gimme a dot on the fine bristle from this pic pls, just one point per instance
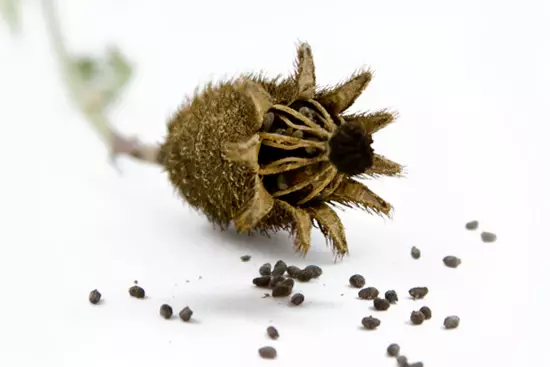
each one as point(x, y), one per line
point(350, 149)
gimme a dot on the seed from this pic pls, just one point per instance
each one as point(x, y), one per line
point(272, 332)
point(391, 296)
point(357, 281)
point(307, 112)
point(265, 269)
point(452, 261)
point(451, 322)
point(281, 182)
point(315, 270)
point(488, 237)
point(275, 280)
point(416, 364)
point(245, 258)
point(280, 131)
point(417, 317)
point(297, 299)
point(473, 225)
point(418, 292)
point(304, 275)
point(268, 120)
point(137, 292)
point(381, 304)
point(267, 352)
point(185, 314)
point(281, 291)
point(289, 282)
point(426, 311)
point(402, 361)
point(279, 269)
point(94, 297)
point(166, 311)
point(293, 271)
point(415, 252)
point(369, 293)
point(298, 134)
point(370, 323)
point(262, 281)
point(393, 350)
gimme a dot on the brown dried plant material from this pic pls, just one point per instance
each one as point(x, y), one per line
point(265, 269)
point(417, 317)
point(166, 311)
point(370, 323)
point(267, 352)
point(272, 332)
point(137, 292)
point(185, 314)
point(357, 281)
point(270, 154)
point(369, 293)
point(381, 304)
point(297, 299)
point(94, 297)
point(418, 292)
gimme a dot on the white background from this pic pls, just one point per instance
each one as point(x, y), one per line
point(470, 80)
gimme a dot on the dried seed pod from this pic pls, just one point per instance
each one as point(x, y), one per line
point(472, 225)
point(279, 269)
point(488, 237)
point(381, 304)
point(245, 258)
point(222, 157)
point(185, 314)
point(136, 291)
point(391, 296)
point(418, 292)
point(426, 311)
point(272, 332)
point(262, 282)
point(265, 269)
point(417, 317)
point(452, 261)
point(393, 350)
point(315, 271)
point(268, 352)
point(370, 323)
point(451, 322)
point(166, 311)
point(369, 293)
point(281, 290)
point(357, 281)
point(275, 280)
point(94, 297)
point(415, 252)
point(297, 299)
point(293, 271)
point(402, 361)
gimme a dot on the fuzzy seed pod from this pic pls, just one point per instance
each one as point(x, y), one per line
point(269, 154)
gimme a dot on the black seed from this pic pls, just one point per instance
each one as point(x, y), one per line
point(137, 292)
point(297, 299)
point(426, 311)
point(402, 361)
point(267, 352)
point(451, 322)
point(357, 281)
point(166, 311)
point(393, 350)
point(381, 304)
point(279, 269)
point(289, 282)
point(94, 297)
point(451, 261)
point(245, 258)
point(370, 323)
point(416, 364)
point(418, 292)
point(293, 271)
point(417, 317)
point(185, 314)
point(314, 269)
point(272, 332)
point(391, 296)
point(473, 225)
point(304, 275)
point(415, 252)
point(488, 237)
point(262, 281)
point(369, 293)
point(276, 280)
point(265, 269)
point(281, 291)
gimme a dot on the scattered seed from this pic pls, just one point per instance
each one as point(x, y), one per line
point(293, 271)
point(297, 299)
point(298, 134)
point(94, 297)
point(280, 131)
point(265, 269)
point(393, 350)
point(276, 280)
point(369, 293)
point(289, 282)
point(272, 332)
point(281, 291)
point(357, 281)
point(488, 237)
point(279, 269)
point(315, 271)
point(304, 275)
point(451, 322)
point(391, 296)
point(166, 311)
point(245, 258)
point(137, 292)
point(268, 120)
point(262, 281)
point(381, 304)
point(417, 317)
point(370, 323)
point(267, 352)
point(473, 225)
point(452, 261)
point(418, 292)
point(185, 314)
point(415, 252)
point(426, 311)
point(402, 361)
point(307, 112)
